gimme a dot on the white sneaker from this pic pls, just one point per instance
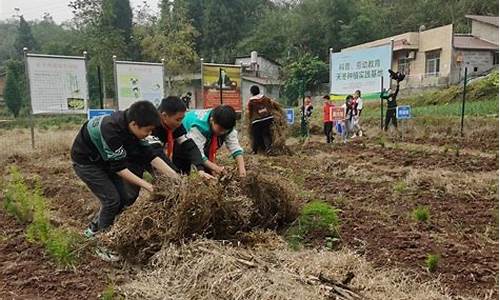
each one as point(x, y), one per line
point(107, 255)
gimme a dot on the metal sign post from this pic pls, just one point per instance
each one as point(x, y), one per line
point(220, 85)
point(28, 91)
point(381, 103)
point(403, 113)
point(463, 104)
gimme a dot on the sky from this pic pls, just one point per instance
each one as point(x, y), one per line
point(34, 9)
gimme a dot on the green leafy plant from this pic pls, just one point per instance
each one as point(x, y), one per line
point(400, 186)
point(421, 214)
point(17, 200)
point(317, 220)
point(29, 206)
point(432, 262)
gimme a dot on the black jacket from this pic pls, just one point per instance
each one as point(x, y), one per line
point(183, 146)
point(107, 141)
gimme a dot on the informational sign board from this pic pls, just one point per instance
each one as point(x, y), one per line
point(229, 77)
point(290, 115)
point(403, 112)
point(337, 113)
point(136, 81)
point(58, 84)
point(91, 113)
point(360, 70)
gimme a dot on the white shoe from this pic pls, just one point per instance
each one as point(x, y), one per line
point(107, 255)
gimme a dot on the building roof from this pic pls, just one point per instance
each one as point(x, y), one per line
point(260, 55)
point(262, 81)
point(472, 42)
point(484, 19)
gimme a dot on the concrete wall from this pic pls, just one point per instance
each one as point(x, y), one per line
point(440, 38)
point(485, 31)
point(266, 68)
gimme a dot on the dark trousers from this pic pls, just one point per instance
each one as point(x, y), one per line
point(390, 116)
point(113, 192)
point(328, 130)
point(262, 135)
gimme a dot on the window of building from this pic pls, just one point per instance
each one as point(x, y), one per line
point(404, 65)
point(495, 58)
point(432, 61)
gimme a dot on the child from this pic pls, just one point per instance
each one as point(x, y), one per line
point(306, 111)
point(349, 114)
point(261, 120)
point(212, 128)
point(106, 155)
point(358, 103)
point(391, 107)
point(328, 118)
point(170, 142)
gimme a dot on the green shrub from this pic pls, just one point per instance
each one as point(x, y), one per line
point(421, 214)
point(17, 200)
point(60, 245)
point(400, 186)
point(109, 293)
point(317, 220)
point(29, 206)
point(431, 262)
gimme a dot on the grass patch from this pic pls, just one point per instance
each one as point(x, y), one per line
point(17, 200)
point(110, 293)
point(29, 207)
point(432, 262)
point(399, 187)
point(421, 214)
point(317, 221)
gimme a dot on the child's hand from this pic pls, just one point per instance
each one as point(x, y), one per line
point(243, 173)
point(220, 170)
point(148, 187)
point(205, 175)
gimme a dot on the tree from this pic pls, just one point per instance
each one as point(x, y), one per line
point(172, 39)
point(104, 34)
point(24, 37)
point(14, 87)
point(304, 74)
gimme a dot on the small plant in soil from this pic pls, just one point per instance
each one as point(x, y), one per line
point(421, 214)
point(432, 262)
point(17, 200)
point(109, 293)
point(317, 221)
point(400, 186)
point(29, 206)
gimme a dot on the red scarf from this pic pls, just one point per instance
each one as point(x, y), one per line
point(169, 145)
point(212, 151)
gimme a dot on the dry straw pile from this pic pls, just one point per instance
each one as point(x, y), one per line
point(206, 269)
point(192, 207)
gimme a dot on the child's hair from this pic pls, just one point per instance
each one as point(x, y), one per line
point(326, 97)
point(225, 116)
point(348, 99)
point(172, 105)
point(358, 92)
point(143, 113)
point(254, 90)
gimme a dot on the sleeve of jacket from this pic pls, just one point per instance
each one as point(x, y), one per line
point(199, 140)
point(114, 149)
point(233, 144)
point(189, 147)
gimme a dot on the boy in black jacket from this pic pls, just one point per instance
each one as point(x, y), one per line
point(170, 141)
point(106, 155)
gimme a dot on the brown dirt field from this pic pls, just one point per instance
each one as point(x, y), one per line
point(359, 178)
point(26, 272)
